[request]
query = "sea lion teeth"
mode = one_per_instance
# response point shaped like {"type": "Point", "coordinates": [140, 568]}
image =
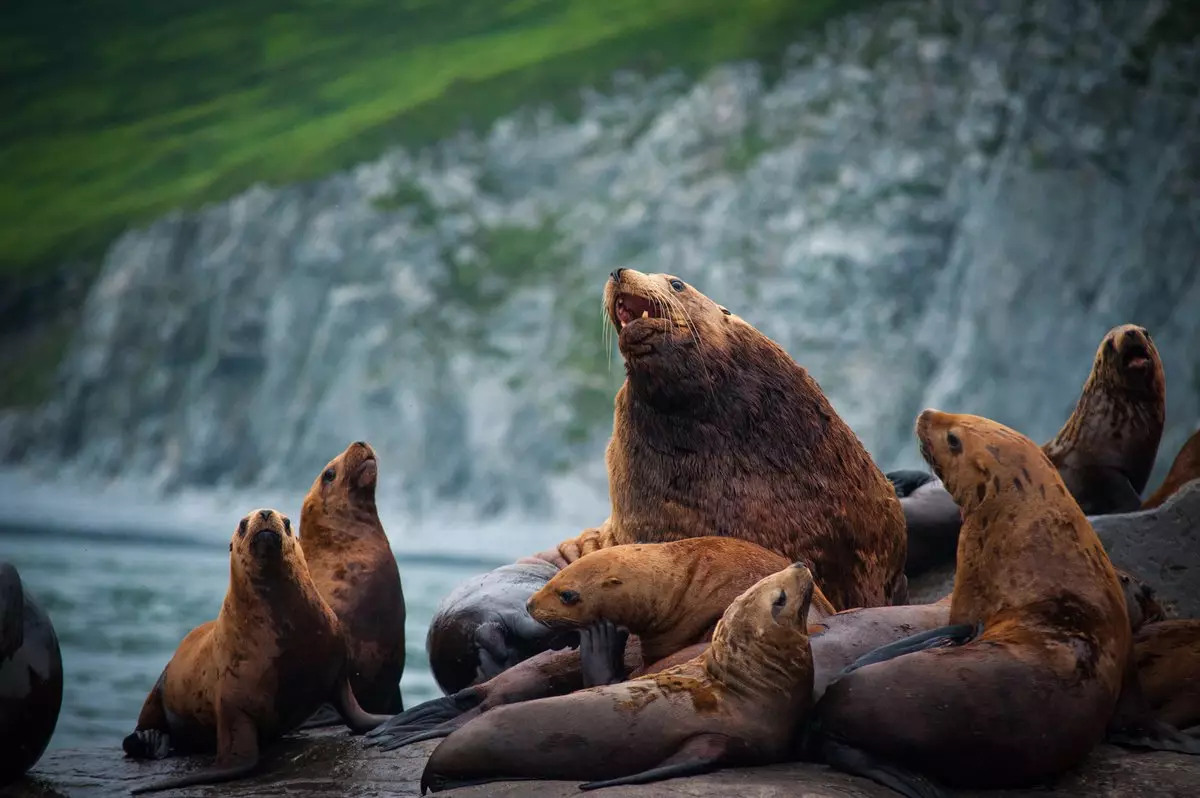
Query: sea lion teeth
{"type": "Point", "coordinates": [645, 314]}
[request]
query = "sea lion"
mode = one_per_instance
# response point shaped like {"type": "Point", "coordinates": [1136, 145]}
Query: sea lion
{"type": "Point", "coordinates": [31, 678]}
{"type": "Point", "coordinates": [736, 704]}
{"type": "Point", "coordinates": [1106, 449]}
{"type": "Point", "coordinates": [273, 655]}
{"type": "Point", "coordinates": [354, 570]}
{"type": "Point", "coordinates": [718, 431]}
{"type": "Point", "coordinates": [482, 628]}
{"type": "Point", "coordinates": [1038, 641]}
{"type": "Point", "coordinates": [931, 518]}
{"type": "Point", "coordinates": [1184, 468]}
{"type": "Point", "coordinates": [1168, 666]}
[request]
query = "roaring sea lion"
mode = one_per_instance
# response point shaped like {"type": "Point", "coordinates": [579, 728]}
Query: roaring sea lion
{"type": "Point", "coordinates": [931, 518]}
{"type": "Point", "coordinates": [482, 627]}
{"type": "Point", "coordinates": [718, 431]}
{"type": "Point", "coordinates": [1045, 646]}
{"type": "Point", "coordinates": [31, 678]}
{"type": "Point", "coordinates": [1184, 468]}
{"type": "Point", "coordinates": [1106, 450]}
{"type": "Point", "coordinates": [272, 656]}
{"type": "Point", "coordinates": [738, 703]}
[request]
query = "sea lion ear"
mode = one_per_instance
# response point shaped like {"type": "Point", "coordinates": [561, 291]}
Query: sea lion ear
{"type": "Point", "coordinates": [725, 310]}
{"type": "Point", "coordinates": [612, 581]}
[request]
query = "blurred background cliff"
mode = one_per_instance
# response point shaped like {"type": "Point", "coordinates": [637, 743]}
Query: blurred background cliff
{"type": "Point", "coordinates": [236, 236]}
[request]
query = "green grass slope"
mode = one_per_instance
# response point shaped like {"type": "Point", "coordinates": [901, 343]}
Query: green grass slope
{"type": "Point", "coordinates": [116, 112]}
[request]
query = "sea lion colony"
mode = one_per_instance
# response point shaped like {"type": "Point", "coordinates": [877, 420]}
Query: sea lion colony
{"type": "Point", "coordinates": [745, 602]}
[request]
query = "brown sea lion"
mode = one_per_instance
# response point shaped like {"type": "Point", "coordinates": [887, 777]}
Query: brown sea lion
{"type": "Point", "coordinates": [31, 678]}
{"type": "Point", "coordinates": [272, 656]}
{"type": "Point", "coordinates": [1032, 689]}
{"type": "Point", "coordinates": [1106, 450]}
{"type": "Point", "coordinates": [1168, 664]}
{"type": "Point", "coordinates": [738, 703]}
{"type": "Point", "coordinates": [1184, 468]}
{"type": "Point", "coordinates": [353, 567]}
{"type": "Point", "coordinates": [718, 431]}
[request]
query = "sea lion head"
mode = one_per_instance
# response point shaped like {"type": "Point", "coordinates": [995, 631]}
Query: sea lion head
{"type": "Point", "coordinates": [1128, 361]}
{"type": "Point", "coordinates": [1140, 601]}
{"type": "Point", "coordinates": [591, 588]}
{"type": "Point", "coordinates": [667, 331]}
{"type": "Point", "coordinates": [263, 546]}
{"type": "Point", "coordinates": [344, 490]}
{"type": "Point", "coordinates": [978, 459]}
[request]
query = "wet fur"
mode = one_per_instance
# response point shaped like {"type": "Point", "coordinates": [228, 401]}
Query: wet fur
{"type": "Point", "coordinates": [718, 431]}
{"type": "Point", "coordinates": [1033, 693]}
{"type": "Point", "coordinates": [1114, 431]}
{"type": "Point", "coordinates": [354, 570]}
{"type": "Point", "coordinates": [1184, 468]}
{"type": "Point", "coordinates": [749, 689]}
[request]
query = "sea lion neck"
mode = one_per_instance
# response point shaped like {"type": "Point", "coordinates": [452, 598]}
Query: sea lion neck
{"type": "Point", "coordinates": [278, 589]}
{"type": "Point", "coordinates": [322, 526]}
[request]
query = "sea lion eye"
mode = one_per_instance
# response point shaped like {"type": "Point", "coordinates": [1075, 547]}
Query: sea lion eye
{"type": "Point", "coordinates": [231, 545]}
{"type": "Point", "coordinates": [780, 600]}
{"type": "Point", "coordinates": [568, 597]}
{"type": "Point", "coordinates": [241, 530]}
{"type": "Point", "coordinates": [287, 525]}
{"type": "Point", "coordinates": [954, 443]}
{"type": "Point", "coordinates": [328, 476]}
{"type": "Point", "coordinates": [677, 285]}
{"type": "Point", "coordinates": [725, 310]}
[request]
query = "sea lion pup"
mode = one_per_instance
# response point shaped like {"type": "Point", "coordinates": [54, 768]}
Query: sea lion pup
{"type": "Point", "coordinates": [1184, 468]}
{"type": "Point", "coordinates": [1106, 450]}
{"type": "Point", "coordinates": [482, 628]}
{"type": "Point", "coordinates": [355, 572]}
{"type": "Point", "coordinates": [736, 704]}
{"type": "Point", "coordinates": [931, 518]}
{"type": "Point", "coordinates": [272, 656]}
{"type": "Point", "coordinates": [1046, 643]}
{"type": "Point", "coordinates": [1168, 666]}
{"type": "Point", "coordinates": [31, 678]}
{"type": "Point", "coordinates": [718, 431]}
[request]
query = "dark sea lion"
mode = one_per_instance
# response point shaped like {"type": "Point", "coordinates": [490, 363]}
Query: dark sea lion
{"type": "Point", "coordinates": [736, 704]}
{"type": "Point", "coordinates": [1106, 449]}
{"type": "Point", "coordinates": [1184, 468]}
{"type": "Point", "coordinates": [1032, 664]}
{"type": "Point", "coordinates": [354, 570]}
{"type": "Point", "coordinates": [718, 431]}
{"type": "Point", "coordinates": [931, 518]}
{"type": "Point", "coordinates": [31, 678]}
{"type": "Point", "coordinates": [1168, 665]}
{"type": "Point", "coordinates": [274, 654]}
{"type": "Point", "coordinates": [482, 628]}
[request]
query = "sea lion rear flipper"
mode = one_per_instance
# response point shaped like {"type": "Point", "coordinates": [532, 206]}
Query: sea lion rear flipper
{"type": "Point", "coordinates": [943, 636]}
{"type": "Point", "coordinates": [859, 763]}
{"type": "Point", "coordinates": [237, 755]}
{"type": "Point", "coordinates": [323, 717]}
{"type": "Point", "coordinates": [425, 716]}
{"type": "Point", "coordinates": [700, 754]}
{"type": "Point", "coordinates": [12, 611]}
{"type": "Point", "coordinates": [602, 653]}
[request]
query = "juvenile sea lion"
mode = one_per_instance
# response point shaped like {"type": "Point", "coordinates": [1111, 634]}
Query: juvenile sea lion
{"type": "Point", "coordinates": [931, 518]}
{"type": "Point", "coordinates": [1184, 468]}
{"type": "Point", "coordinates": [1168, 666]}
{"type": "Point", "coordinates": [1106, 450]}
{"type": "Point", "coordinates": [272, 656]}
{"type": "Point", "coordinates": [718, 431]}
{"type": "Point", "coordinates": [738, 703]}
{"type": "Point", "coordinates": [31, 679]}
{"type": "Point", "coordinates": [1038, 642]}
{"type": "Point", "coordinates": [482, 628]}
{"type": "Point", "coordinates": [355, 572]}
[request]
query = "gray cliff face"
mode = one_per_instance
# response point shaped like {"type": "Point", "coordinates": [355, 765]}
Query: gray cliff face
{"type": "Point", "coordinates": [933, 206]}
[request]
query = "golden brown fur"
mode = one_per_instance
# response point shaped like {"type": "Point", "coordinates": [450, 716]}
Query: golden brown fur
{"type": "Point", "coordinates": [1168, 662]}
{"type": "Point", "coordinates": [1184, 469]}
{"type": "Point", "coordinates": [670, 595]}
{"type": "Point", "coordinates": [273, 655]}
{"type": "Point", "coordinates": [718, 431]}
{"type": "Point", "coordinates": [353, 567]}
{"type": "Point", "coordinates": [1028, 697]}
{"type": "Point", "coordinates": [740, 702]}
{"type": "Point", "coordinates": [1106, 450]}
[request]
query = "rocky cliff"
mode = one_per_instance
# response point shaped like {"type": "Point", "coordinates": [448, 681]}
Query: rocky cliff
{"type": "Point", "coordinates": [933, 204]}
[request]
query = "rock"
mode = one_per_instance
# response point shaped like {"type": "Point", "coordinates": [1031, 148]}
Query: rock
{"type": "Point", "coordinates": [331, 762]}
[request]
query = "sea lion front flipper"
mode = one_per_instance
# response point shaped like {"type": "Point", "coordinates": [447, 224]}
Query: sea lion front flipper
{"type": "Point", "coordinates": [357, 719]}
{"type": "Point", "coordinates": [147, 744]}
{"type": "Point", "coordinates": [12, 611]}
{"type": "Point", "coordinates": [943, 636]}
{"type": "Point", "coordinates": [857, 762]}
{"type": "Point", "coordinates": [237, 754]}
{"type": "Point", "coordinates": [425, 716]}
{"type": "Point", "coordinates": [1154, 735]}
{"type": "Point", "coordinates": [602, 653]}
{"type": "Point", "coordinates": [700, 754]}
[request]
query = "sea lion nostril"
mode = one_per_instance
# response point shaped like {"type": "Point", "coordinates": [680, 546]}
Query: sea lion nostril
{"type": "Point", "coordinates": [264, 515]}
{"type": "Point", "coordinates": [615, 274]}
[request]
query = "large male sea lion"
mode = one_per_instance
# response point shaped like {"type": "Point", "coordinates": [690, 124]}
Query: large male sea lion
{"type": "Point", "coordinates": [355, 572]}
{"type": "Point", "coordinates": [31, 678]}
{"type": "Point", "coordinates": [718, 431]}
{"type": "Point", "coordinates": [272, 656]}
{"type": "Point", "coordinates": [739, 703]}
{"type": "Point", "coordinates": [1032, 690]}
{"type": "Point", "coordinates": [1106, 449]}
{"type": "Point", "coordinates": [1184, 468]}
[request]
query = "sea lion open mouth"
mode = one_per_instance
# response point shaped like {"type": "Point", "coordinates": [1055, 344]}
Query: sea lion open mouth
{"type": "Point", "coordinates": [1136, 356]}
{"type": "Point", "coordinates": [632, 306]}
